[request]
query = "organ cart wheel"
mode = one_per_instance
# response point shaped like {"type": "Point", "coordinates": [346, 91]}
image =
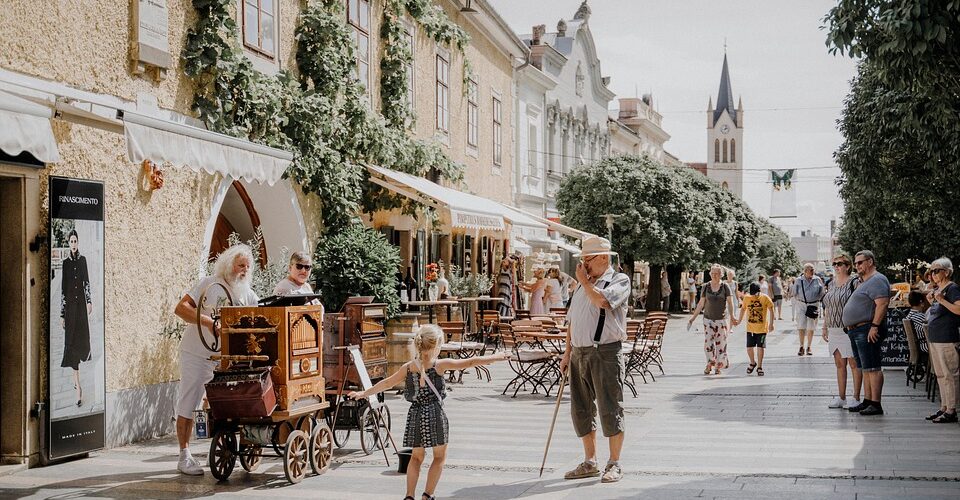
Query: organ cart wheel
{"type": "Point", "coordinates": [385, 418]}
{"type": "Point", "coordinates": [370, 429]}
{"type": "Point", "coordinates": [280, 434]}
{"type": "Point", "coordinates": [295, 457]}
{"type": "Point", "coordinates": [250, 457]}
{"type": "Point", "coordinates": [321, 448]}
{"type": "Point", "coordinates": [223, 453]}
{"type": "Point", "coordinates": [341, 435]}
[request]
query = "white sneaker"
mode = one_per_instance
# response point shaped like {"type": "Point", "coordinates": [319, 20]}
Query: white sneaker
{"type": "Point", "coordinates": [836, 403]}
{"type": "Point", "coordinates": [189, 466]}
{"type": "Point", "coordinates": [851, 403]}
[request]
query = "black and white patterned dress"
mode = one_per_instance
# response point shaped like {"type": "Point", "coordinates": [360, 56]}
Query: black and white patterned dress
{"type": "Point", "coordinates": [427, 424]}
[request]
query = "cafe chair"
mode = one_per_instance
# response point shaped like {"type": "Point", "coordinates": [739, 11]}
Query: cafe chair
{"type": "Point", "coordinates": [457, 346]}
{"type": "Point", "coordinates": [530, 365]}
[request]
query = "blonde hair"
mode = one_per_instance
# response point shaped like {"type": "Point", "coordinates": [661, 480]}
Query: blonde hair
{"type": "Point", "coordinates": [426, 340]}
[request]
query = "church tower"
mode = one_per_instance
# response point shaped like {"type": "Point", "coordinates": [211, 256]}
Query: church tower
{"type": "Point", "coordinates": [725, 137]}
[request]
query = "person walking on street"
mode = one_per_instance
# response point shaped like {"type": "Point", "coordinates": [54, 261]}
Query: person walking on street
{"type": "Point", "coordinates": [734, 289]}
{"type": "Point", "coordinates": [597, 327]}
{"type": "Point", "coordinates": [943, 320]}
{"type": "Point", "coordinates": [759, 311]}
{"type": "Point", "coordinates": [776, 292]}
{"type": "Point", "coordinates": [864, 319]}
{"type": "Point", "coordinates": [665, 290]}
{"type": "Point", "coordinates": [808, 290]}
{"type": "Point", "coordinates": [838, 293]}
{"type": "Point", "coordinates": [715, 302]}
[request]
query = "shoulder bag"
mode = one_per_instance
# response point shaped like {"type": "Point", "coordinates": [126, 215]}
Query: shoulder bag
{"type": "Point", "coordinates": [812, 312]}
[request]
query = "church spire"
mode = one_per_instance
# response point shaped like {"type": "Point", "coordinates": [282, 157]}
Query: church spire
{"type": "Point", "coordinates": [725, 95]}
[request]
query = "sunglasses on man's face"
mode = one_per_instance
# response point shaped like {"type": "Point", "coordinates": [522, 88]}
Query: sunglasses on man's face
{"type": "Point", "coordinates": [858, 262]}
{"type": "Point", "coordinates": [303, 267]}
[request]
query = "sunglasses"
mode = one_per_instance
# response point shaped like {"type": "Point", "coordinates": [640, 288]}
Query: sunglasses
{"type": "Point", "coordinates": [858, 262]}
{"type": "Point", "coordinates": [303, 267]}
{"type": "Point", "coordinates": [937, 271]}
{"type": "Point", "coordinates": [838, 264]}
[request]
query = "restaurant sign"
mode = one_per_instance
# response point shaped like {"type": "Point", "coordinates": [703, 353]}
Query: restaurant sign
{"type": "Point", "coordinates": [476, 220]}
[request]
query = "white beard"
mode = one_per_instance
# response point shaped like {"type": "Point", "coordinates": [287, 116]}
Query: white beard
{"type": "Point", "coordinates": [240, 289]}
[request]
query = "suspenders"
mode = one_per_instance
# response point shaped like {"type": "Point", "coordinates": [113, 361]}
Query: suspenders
{"type": "Point", "coordinates": [600, 321]}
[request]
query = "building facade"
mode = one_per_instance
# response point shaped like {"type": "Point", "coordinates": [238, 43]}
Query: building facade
{"type": "Point", "coordinates": [725, 137]}
{"type": "Point", "coordinates": [814, 249]}
{"type": "Point", "coordinates": [574, 110]}
{"type": "Point", "coordinates": [637, 129]}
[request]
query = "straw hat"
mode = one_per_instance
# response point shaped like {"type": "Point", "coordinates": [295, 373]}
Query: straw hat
{"type": "Point", "coordinates": [595, 245]}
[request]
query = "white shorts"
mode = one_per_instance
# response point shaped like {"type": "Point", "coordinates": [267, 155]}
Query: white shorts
{"type": "Point", "coordinates": [194, 373]}
{"type": "Point", "coordinates": [803, 322]}
{"type": "Point", "coordinates": [838, 340]}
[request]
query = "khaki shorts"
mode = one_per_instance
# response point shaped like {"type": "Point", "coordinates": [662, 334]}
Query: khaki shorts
{"type": "Point", "coordinates": [596, 381]}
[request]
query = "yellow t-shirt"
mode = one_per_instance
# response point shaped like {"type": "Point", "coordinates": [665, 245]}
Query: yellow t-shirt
{"type": "Point", "coordinates": [757, 307]}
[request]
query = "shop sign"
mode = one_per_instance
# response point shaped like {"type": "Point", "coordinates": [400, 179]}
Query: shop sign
{"type": "Point", "coordinates": [75, 344]}
{"type": "Point", "coordinates": [476, 220]}
{"type": "Point", "coordinates": [151, 35]}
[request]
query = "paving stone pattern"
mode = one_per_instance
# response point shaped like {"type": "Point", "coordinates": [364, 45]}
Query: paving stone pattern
{"type": "Point", "coordinates": [689, 436]}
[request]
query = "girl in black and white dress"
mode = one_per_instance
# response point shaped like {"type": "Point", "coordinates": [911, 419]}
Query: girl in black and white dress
{"type": "Point", "coordinates": [427, 424]}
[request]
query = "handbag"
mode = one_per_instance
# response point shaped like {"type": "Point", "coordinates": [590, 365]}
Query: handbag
{"type": "Point", "coordinates": [812, 312]}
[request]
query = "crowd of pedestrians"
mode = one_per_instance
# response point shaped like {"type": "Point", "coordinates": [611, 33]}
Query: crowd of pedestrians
{"type": "Point", "coordinates": [849, 310]}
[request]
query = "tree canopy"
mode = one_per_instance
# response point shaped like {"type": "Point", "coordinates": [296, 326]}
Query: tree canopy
{"type": "Point", "coordinates": [900, 158]}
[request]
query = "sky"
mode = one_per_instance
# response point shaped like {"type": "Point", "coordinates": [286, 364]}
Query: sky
{"type": "Point", "coordinates": [792, 87]}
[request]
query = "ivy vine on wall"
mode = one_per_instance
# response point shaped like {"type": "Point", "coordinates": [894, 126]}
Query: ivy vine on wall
{"type": "Point", "coordinates": [321, 113]}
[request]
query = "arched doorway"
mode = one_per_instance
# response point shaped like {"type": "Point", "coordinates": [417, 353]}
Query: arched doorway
{"type": "Point", "coordinates": [237, 215]}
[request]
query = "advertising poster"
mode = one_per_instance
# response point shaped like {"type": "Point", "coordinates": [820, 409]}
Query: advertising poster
{"type": "Point", "coordinates": [75, 342]}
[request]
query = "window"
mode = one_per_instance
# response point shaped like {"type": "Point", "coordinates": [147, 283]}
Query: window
{"type": "Point", "coordinates": [733, 150]}
{"type": "Point", "coordinates": [473, 113]}
{"type": "Point", "coordinates": [358, 16]}
{"type": "Point", "coordinates": [532, 150]}
{"type": "Point", "coordinates": [497, 130]}
{"type": "Point", "coordinates": [724, 150]}
{"type": "Point", "coordinates": [716, 151]}
{"type": "Point", "coordinates": [725, 185]}
{"type": "Point", "coordinates": [259, 26]}
{"type": "Point", "coordinates": [411, 42]}
{"type": "Point", "coordinates": [443, 93]}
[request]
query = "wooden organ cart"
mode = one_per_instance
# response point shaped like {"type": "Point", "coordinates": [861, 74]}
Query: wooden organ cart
{"type": "Point", "coordinates": [362, 325]}
{"type": "Point", "coordinates": [269, 391]}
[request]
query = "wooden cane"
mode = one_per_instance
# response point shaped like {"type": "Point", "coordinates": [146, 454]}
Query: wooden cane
{"type": "Point", "coordinates": [556, 410]}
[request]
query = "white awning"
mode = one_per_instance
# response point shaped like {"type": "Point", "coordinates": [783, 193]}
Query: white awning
{"type": "Point", "coordinates": [466, 210]}
{"type": "Point", "coordinates": [519, 246]}
{"type": "Point", "coordinates": [573, 249]}
{"type": "Point", "coordinates": [161, 141]}
{"type": "Point", "coordinates": [25, 126]}
{"type": "Point", "coordinates": [556, 226]}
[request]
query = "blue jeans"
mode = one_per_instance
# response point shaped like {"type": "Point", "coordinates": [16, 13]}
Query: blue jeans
{"type": "Point", "coordinates": [865, 352]}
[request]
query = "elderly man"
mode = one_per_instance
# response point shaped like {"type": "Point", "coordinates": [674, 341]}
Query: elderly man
{"type": "Point", "coordinates": [298, 274]}
{"type": "Point", "coordinates": [598, 319]}
{"type": "Point", "coordinates": [864, 320]}
{"type": "Point", "coordinates": [232, 272]}
{"type": "Point", "coordinates": [808, 289]}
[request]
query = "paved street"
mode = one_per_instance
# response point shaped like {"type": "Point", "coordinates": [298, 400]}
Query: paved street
{"type": "Point", "coordinates": [690, 436]}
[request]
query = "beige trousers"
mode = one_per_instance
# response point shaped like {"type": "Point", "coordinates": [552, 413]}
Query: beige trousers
{"type": "Point", "coordinates": [946, 363]}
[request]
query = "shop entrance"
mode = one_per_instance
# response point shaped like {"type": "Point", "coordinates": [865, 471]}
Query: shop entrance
{"type": "Point", "coordinates": [13, 320]}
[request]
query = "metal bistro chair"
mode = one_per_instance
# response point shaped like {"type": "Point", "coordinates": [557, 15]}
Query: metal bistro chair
{"type": "Point", "coordinates": [486, 321]}
{"type": "Point", "coordinates": [456, 345]}
{"type": "Point", "coordinates": [631, 352]}
{"type": "Point", "coordinates": [528, 364]}
{"type": "Point", "coordinates": [654, 326]}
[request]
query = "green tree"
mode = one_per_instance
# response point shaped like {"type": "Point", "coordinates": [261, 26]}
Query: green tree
{"type": "Point", "coordinates": [357, 261]}
{"type": "Point", "coordinates": [670, 216]}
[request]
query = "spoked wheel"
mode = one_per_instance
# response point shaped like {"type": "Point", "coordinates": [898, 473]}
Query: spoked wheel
{"type": "Point", "coordinates": [295, 457]}
{"type": "Point", "coordinates": [321, 448]}
{"type": "Point", "coordinates": [280, 434]}
{"type": "Point", "coordinates": [385, 418]}
{"type": "Point", "coordinates": [250, 457]}
{"type": "Point", "coordinates": [223, 454]}
{"type": "Point", "coordinates": [340, 436]}
{"type": "Point", "coordinates": [372, 433]}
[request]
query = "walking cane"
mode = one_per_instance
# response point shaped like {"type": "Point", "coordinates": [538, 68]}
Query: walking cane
{"type": "Point", "coordinates": [556, 410]}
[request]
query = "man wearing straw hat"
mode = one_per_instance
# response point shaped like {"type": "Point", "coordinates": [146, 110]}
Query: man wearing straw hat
{"type": "Point", "coordinates": [597, 327]}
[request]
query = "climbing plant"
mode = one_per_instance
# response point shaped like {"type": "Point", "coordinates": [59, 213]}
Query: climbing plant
{"type": "Point", "coordinates": [321, 113]}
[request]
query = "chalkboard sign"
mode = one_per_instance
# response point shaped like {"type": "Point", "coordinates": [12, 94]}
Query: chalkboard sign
{"type": "Point", "coordinates": [895, 351]}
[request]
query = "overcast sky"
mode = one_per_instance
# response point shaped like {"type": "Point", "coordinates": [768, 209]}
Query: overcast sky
{"type": "Point", "coordinates": [792, 88]}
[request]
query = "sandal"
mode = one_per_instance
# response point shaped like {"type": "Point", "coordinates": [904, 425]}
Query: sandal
{"type": "Point", "coordinates": [716, 371]}
{"type": "Point", "coordinates": [759, 371]}
{"type": "Point", "coordinates": [428, 497]}
{"type": "Point", "coordinates": [946, 418]}
{"type": "Point", "coordinates": [750, 368]}
{"type": "Point", "coordinates": [800, 352]}
{"type": "Point", "coordinates": [706, 371]}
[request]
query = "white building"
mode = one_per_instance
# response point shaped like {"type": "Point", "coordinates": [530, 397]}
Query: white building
{"type": "Point", "coordinates": [636, 129]}
{"type": "Point", "coordinates": [725, 137]}
{"type": "Point", "coordinates": [561, 107]}
{"type": "Point", "coordinates": [814, 249]}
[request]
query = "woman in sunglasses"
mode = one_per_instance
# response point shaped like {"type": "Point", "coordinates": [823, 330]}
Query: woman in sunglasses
{"type": "Point", "coordinates": [298, 274]}
{"type": "Point", "coordinates": [838, 293]}
{"type": "Point", "coordinates": [943, 319]}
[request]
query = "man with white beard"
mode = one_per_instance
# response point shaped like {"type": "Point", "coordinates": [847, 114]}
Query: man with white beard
{"type": "Point", "coordinates": [232, 270]}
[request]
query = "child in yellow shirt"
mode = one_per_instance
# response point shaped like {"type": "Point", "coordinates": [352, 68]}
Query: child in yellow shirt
{"type": "Point", "coordinates": [759, 310]}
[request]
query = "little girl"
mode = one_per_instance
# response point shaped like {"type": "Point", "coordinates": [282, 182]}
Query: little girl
{"type": "Point", "coordinates": [427, 425]}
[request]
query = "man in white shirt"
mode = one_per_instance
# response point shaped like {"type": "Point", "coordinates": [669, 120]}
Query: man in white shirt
{"type": "Point", "coordinates": [229, 285]}
{"type": "Point", "coordinates": [298, 276]}
{"type": "Point", "coordinates": [597, 328]}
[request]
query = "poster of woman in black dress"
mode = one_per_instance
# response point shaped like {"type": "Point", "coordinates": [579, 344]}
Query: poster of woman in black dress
{"type": "Point", "coordinates": [76, 305]}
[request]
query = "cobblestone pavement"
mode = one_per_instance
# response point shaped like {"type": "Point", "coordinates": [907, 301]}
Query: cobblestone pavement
{"type": "Point", "coordinates": [689, 436]}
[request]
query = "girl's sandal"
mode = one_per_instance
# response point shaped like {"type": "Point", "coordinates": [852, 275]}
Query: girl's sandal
{"type": "Point", "coordinates": [428, 497]}
{"type": "Point", "coordinates": [706, 371]}
{"type": "Point", "coordinates": [408, 497]}
{"type": "Point", "coordinates": [750, 368]}
{"type": "Point", "coordinates": [759, 371]}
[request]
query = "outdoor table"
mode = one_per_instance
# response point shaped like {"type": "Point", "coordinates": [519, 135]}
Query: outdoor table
{"type": "Point", "coordinates": [429, 305]}
{"type": "Point", "coordinates": [555, 338]}
{"type": "Point", "coordinates": [472, 304]}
